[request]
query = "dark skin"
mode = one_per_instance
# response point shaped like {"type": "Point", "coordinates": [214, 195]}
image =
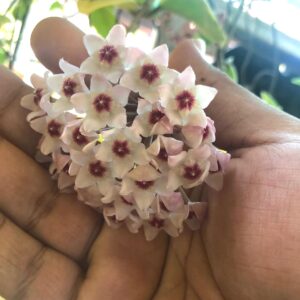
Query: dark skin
{"type": "Point", "coordinates": [54, 247]}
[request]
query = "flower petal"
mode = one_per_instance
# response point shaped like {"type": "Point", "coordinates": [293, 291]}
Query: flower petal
{"type": "Point", "coordinates": [81, 102]}
{"type": "Point", "coordinates": [204, 94]}
{"type": "Point", "coordinates": [92, 43]}
{"type": "Point", "coordinates": [68, 68]}
{"type": "Point", "coordinates": [99, 84]}
{"type": "Point", "coordinates": [160, 55]}
{"type": "Point", "coordinates": [120, 94]}
{"type": "Point", "coordinates": [117, 35]}
{"type": "Point", "coordinates": [55, 82]}
{"type": "Point", "coordinates": [187, 78]}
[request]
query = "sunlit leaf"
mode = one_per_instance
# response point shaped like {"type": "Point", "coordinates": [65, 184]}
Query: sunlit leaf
{"type": "Point", "coordinates": [4, 20]}
{"type": "Point", "coordinates": [103, 20]}
{"type": "Point", "coordinates": [88, 6]}
{"type": "Point", "coordinates": [295, 81]}
{"type": "Point", "coordinates": [3, 56]}
{"type": "Point", "coordinates": [20, 9]}
{"type": "Point", "coordinates": [269, 99]}
{"type": "Point", "coordinates": [56, 5]}
{"type": "Point", "coordinates": [230, 69]}
{"type": "Point", "coordinates": [199, 12]}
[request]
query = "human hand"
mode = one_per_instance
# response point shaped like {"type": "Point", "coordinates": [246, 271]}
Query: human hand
{"type": "Point", "coordinates": [54, 247]}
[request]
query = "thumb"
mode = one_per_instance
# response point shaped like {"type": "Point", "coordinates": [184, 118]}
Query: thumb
{"type": "Point", "coordinates": [241, 118]}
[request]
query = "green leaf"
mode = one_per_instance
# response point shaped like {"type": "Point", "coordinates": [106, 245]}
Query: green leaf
{"type": "Point", "coordinates": [56, 5]}
{"type": "Point", "coordinates": [3, 20]}
{"type": "Point", "coordinates": [103, 20]}
{"type": "Point", "coordinates": [295, 81]}
{"type": "Point", "coordinates": [20, 9]}
{"type": "Point", "coordinates": [199, 12]}
{"type": "Point", "coordinates": [3, 56]}
{"type": "Point", "coordinates": [269, 99]}
{"type": "Point", "coordinates": [89, 6]}
{"type": "Point", "coordinates": [231, 70]}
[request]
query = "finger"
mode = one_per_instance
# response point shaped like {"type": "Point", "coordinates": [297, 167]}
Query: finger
{"type": "Point", "coordinates": [30, 198]}
{"type": "Point", "coordinates": [56, 38]}
{"type": "Point", "coordinates": [29, 270]}
{"type": "Point", "coordinates": [124, 266]}
{"type": "Point", "coordinates": [13, 125]}
{"type": "Point", "coordinates": [241, 119]}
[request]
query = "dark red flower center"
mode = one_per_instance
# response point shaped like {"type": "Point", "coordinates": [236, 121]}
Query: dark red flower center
{"type": "Point", "coordinates": [192, 172]}
{"type": "Point", "coordinates": [205, 132]}
{"type": "Point", "coordinates": [120, 148]}
{"type": "Point", "coordinates": [37, 96]}
{"type": "Point", "coordinates": [96, 169]}
{"type": "Point", "coordinates": [69, 86]}
{"type": "Point", "coordinates": [156, 222]}
{"type": "Point", "coordinates": [54, 128]}
{"type": "Point", "coordinates": [107, 54]}
{"type": "Point", "coordinates": [185, 100]}
{"type": "Point", "coordinates": [78, 137]}
{"type": "Point", "coordinates": [155, 116]}
{"type": "Point", "coordinates": [102, 102]}
{"type": "Point", "coordinates": [163, 155]}
{"type": "Point", "coordinates": [143, 184]}
{"type": "Point", "coordinates": [149, 72]}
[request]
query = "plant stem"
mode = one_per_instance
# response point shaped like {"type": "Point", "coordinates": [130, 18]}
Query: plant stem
{"type": "Point", "coordinates": [184, 195]}
{"type": "Point", "coordinates": [14, 56]}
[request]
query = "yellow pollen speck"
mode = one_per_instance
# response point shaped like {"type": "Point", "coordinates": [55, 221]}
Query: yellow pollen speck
{"type": "Point", "coordinates": [100, 138]}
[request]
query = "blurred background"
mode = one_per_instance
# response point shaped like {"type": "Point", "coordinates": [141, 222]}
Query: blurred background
{"type": "Point", "coordinates": [256, 42]}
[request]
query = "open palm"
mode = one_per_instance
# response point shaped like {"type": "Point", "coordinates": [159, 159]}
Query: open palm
{"type": "Point", "coordinates": [54, 247]}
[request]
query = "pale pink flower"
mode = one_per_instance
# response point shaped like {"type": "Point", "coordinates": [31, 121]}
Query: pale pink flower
{"type": "Point", "coordinates": [74, 138]}
{"type": "Point", "coordinates": [151, 120]}
{"type": "Point", "coordinates": [123, 149]}
{"type": "Point", "coordinates": [102, 106]}
{"type": "Point", "coordinates": [148, 73]}
{"type": "Point", "coordinates": [32, 101]}
{"type": "Point", "coordinates": [51, 129]}
{"type": "Point", "coordinates": [184, 101]}
{"type": "Point", "coordinates": [162, 148]}
{"type": "Point", "coordinates": [70, 82]}
{"type": "Point", "coordinates": [107, 56]}
{"type": "Point", "coordinates": [196, 135]}
{"type": "Point", "coordinates": [196, 214]}
{"type": "Point", "coordinates": [189, 169]}
{"type": "Point", "coordinates": [91, 197]}
{"type": "Point", "coordinates": [218, 163]}
{"type": "Point", "coordinates": [59, 170]}
{"type": "Point", "coordinates": [144, 182]}
{"type": "Point", "coordinates": [91, 172]}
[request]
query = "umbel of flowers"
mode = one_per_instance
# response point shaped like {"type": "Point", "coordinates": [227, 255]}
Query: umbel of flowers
{"type": "Point", "coordinates": [129, 135]}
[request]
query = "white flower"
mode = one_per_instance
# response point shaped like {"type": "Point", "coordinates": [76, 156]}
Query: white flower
{"type": "Point", "coordinates": [32, 101]}
{"type": "Point", "coordinates": [189, 169]}
{"type": "Point", "coordinates": [196, 214]}
{"type": "Point", "coordinates": [70, 82]}
{"type": "Point", "coordinates": [102, 106]}
{"type": "Point", "coordinates": [184, 101]}
{"type": "Point", "coordinates": [151, 120]}
{"type": "Point", "coordinates": [74, 138]}
{"type": "Point", "coordinates": [162, 148]}
{"type": "Point", "coordinates": [107, 56]}
{"type": "Point", "coordinates": [51, 129]}
{"type": "Point", "coordinates": [196, 135]}
{"type": "Point", "coordinates": [148, 73]}
{"type": "Point", "coordinates": [123, 148]}
{"type": "Point", "coordinates": [91, 172]}
{"type": "Point", "coordinates": [144, 182]}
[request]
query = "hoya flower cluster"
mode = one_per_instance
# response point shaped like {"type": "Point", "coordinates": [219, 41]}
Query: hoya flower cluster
{"type": "Point", "coordinates": [129, 134]}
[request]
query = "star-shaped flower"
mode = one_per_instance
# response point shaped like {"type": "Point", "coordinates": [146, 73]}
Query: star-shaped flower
{"type": "Point", "coordinates": [184, 101]}
{"type": "Point", "coordinates": [123, 149]}
{"type": "Point", "coordinates": [107, 56]}
{"type": "Point", "coordinates": [148, 73]}
{"type": "Point", "coordinates": [151, 120]}
{"type": "Point", "coordinates": [103, 105]}
{"type": "Point", "coordinates": [189, 168]}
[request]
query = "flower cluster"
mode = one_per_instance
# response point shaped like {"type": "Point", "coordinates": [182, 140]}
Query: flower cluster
{"type": "Point", "coordinates": [129, 135]}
